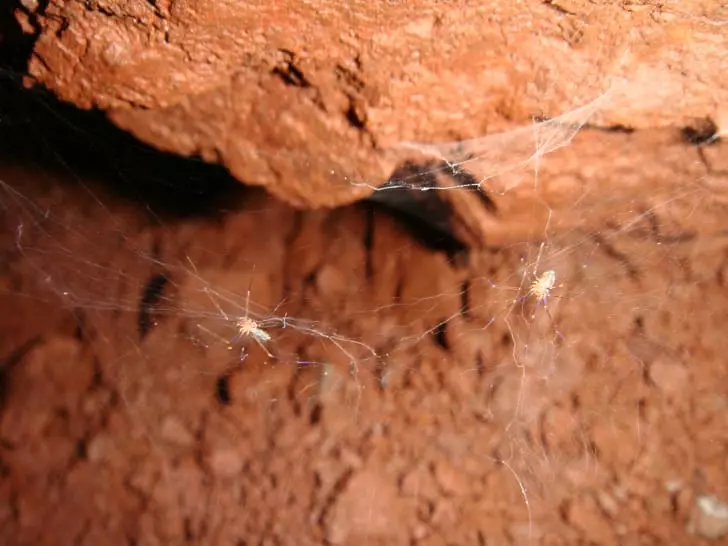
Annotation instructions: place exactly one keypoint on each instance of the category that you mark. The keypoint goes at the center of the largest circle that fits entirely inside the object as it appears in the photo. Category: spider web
(139, 287)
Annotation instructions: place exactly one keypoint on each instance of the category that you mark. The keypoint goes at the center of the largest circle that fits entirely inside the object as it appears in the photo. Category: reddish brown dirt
(411, 391)
(605, 426)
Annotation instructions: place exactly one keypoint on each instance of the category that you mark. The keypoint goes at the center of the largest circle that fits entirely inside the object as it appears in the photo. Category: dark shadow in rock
(409, 197)
(701, 132)
(222, 390)
(15, 45)
(8, 363)
(83, 147)
(153, 293)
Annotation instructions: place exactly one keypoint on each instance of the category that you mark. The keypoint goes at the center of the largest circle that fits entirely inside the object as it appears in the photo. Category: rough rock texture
(411, 392)
(314, 100)
(407, 401)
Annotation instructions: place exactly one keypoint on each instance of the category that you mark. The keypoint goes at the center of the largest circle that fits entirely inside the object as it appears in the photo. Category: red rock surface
(314, 100)
(413, 394)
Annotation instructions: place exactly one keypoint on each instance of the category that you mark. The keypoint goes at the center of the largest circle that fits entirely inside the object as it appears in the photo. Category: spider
(542, 286)
(246, 326)
(251, 328)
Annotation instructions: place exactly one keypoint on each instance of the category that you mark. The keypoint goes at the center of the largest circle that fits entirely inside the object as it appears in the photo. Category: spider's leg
(542, 301)
(213, 334)
(538, 260)
(223, 313)
(279, 305)
(551, 318)
(260, 343)
(247, 300)
(247, 295)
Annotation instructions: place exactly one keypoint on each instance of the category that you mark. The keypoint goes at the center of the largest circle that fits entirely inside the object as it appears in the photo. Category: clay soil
(404, 398)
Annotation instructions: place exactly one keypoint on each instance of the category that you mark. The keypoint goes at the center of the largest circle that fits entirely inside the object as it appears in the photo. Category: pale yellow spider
(246, 326)
(541, 290)
(251, 328)
(542, 286)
